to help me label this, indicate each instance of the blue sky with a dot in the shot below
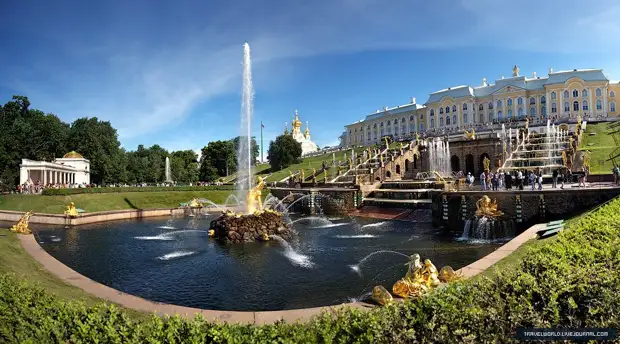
(170, 72)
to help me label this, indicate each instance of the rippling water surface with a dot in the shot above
(173, 260)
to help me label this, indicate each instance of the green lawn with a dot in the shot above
(600, 146)
(108, 201)
(13, 259)
(259, 170)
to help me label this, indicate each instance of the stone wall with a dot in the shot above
(467, 155)
(331, 201)
(85, 218)
(558, 204)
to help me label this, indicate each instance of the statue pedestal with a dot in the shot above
(249, 228)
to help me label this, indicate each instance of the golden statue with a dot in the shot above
(314, 175)
(387, 145)
(71, 210)
(303, 175)
(579, 120)
(486, 162)
(421, 278)
(586, 160)
(515, 70)
(488, 208)
(564, 159)
(21, 227)
(194, 204)
(325, 177)
(264, 237)
(381, 296)
(417, 137)
(527, 124)
(211, 233)
(470, 136)
(447, 274)
(254, 201)
(381, 158)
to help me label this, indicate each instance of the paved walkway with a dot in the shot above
(70, 276)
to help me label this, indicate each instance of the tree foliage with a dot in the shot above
(283, 152)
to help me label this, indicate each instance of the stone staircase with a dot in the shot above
(403, 194)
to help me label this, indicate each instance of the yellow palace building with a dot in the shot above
(561, 95)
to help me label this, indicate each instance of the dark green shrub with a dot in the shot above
(571, 282)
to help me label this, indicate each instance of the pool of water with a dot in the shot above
(173, 260)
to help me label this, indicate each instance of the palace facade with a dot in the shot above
(559, 95)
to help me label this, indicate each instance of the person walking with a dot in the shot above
(532, 180)
(617, 175)
(540, 180)
(555, 179)
(520, 180)
(483, 181)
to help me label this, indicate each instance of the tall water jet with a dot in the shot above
(168, 174)
(244, 154)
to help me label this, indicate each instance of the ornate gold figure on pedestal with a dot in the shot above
(254, 201)
(564, 159)
(488, 208)
(194, 204)
(586, 160)
(21, 227)
(381, 296)
(71, 210)
(421, 278)
(387, 145)
(486, 162)
(314, 175)
(470, 136)
(303, 175)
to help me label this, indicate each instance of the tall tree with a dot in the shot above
(97, 141)
(283, 152)
(218, 160)
(255, 148)
(184, 166)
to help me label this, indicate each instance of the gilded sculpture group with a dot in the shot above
(419, 279)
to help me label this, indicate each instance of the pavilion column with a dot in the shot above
(44, 172)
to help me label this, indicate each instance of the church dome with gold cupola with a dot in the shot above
(73, 155)
(307, 146)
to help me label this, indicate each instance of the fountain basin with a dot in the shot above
(237, 228)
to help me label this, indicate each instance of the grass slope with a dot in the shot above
(107, 201)
(600, 146)
(14, 260)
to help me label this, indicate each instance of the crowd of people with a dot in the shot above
(522, 179)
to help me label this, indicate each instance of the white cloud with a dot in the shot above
(144, 84)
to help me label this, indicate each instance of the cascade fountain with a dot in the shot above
(168, 174)
(488, 223)
(253, 222)
(439, 157)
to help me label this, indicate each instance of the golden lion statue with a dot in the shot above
(21, 227)
(421, 278)
(253, 200)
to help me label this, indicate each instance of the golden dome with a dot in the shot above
(73, 155)
(296, 121)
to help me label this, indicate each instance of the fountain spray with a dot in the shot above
(244, 153)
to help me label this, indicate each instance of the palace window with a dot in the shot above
(491, 117)
(382, 132)
(402, 120)
(465, 118)
(566, 107)
(509, 102)
(480, 107)
(490, 105)
(598, 92)
(421, 126)
(389, 123)
(584, 93)
(554, 107)
(454, 119)
(612, 106)
(403, 128)
(520, 101)
(499, 114)
(441, 111)
(543, 110)
(509, 113)
(575, 93)
(599, 105)
(375, 125)
(356, 130)
(552, 95)
(575, 106)
(499, 103)
(543, 99)
(447, 109)
(464, 106)
(566, 94)
(441, 121)
(368, 136)
(447, 120)
(411, 127)
(585, 105)
(520, 113)
(533, 111)
(532, 101)
(421, 117)
(612, 94)
(395, 130)
(453, 108)
(432, 123)
(481, 118)
(369, 127)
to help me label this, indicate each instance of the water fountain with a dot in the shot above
(439, 157)
(253, 223)
(488, 223)
(168, 174)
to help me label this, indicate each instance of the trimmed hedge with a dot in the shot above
(571, 281)
(75, 191)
